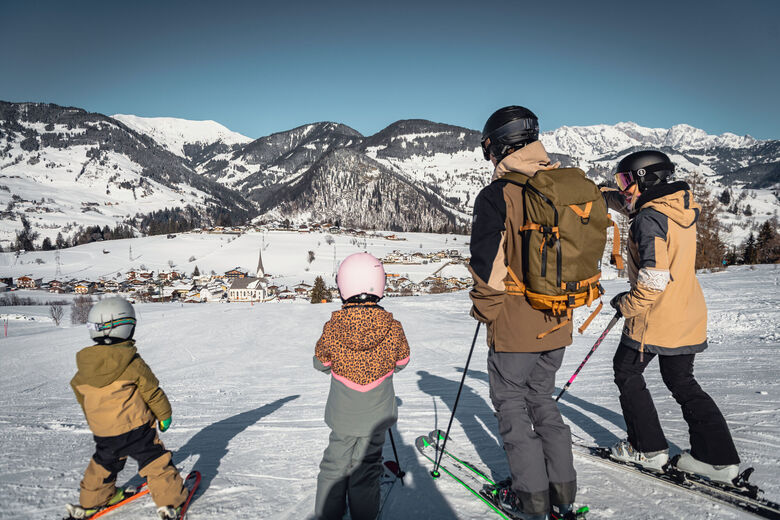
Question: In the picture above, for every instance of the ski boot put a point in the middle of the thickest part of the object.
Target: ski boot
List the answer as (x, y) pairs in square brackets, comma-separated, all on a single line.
[(623, 451), (169, 513), (567, 512), (504, 498), (77, 512), (725, 474)]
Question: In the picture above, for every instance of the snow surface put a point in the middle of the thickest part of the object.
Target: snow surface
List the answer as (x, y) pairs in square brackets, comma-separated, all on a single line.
[(248, 407), (172, 133), (285, 255)]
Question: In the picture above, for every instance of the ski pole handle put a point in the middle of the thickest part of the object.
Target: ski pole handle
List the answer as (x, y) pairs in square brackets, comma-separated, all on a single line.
[(611, 324)]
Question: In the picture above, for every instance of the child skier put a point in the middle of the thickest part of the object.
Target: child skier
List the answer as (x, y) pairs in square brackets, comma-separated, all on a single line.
[(361, 346), (121, 399)]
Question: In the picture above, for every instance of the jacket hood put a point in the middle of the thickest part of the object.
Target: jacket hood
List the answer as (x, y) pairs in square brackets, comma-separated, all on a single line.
[(673, 200), (528, 160), (101, 365), (360, 326)]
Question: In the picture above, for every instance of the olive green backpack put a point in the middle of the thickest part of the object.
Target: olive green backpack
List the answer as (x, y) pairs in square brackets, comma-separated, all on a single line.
[(563, 239)]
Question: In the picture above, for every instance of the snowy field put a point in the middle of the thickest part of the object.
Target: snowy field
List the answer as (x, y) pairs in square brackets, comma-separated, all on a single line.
[(285, 255), (248, 406)]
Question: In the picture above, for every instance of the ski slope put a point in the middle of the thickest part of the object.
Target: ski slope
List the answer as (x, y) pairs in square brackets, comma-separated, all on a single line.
[(248, 406)]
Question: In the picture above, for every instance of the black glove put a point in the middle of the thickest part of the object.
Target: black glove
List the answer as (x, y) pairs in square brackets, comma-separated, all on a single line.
[(615, 301)]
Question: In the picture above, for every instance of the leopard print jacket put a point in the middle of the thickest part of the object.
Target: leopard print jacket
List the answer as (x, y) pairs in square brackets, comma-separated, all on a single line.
[(362, 345)]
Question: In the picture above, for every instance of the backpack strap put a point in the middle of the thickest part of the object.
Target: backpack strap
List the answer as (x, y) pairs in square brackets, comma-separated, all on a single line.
[(616, 259)]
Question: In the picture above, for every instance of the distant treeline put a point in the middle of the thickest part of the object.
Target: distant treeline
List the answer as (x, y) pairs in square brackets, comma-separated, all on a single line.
[(160, 222)]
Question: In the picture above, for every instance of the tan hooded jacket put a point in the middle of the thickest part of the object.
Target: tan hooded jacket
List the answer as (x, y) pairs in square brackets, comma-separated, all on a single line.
[(665, 311), (513, 325), (117, 390)]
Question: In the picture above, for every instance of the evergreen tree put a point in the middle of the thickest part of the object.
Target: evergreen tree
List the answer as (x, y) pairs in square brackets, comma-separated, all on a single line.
[(319, 292), (710, 248), (46, 246), (725, 198), (60, 242), (196, 272), (749, 254), (768, 243), (25, 239)]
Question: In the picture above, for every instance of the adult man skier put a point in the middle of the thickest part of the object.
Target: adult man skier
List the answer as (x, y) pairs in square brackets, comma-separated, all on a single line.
[(665, 315), (521, 367)]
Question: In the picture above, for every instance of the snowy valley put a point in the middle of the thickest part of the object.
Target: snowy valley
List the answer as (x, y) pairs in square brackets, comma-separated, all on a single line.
[(248, 407)]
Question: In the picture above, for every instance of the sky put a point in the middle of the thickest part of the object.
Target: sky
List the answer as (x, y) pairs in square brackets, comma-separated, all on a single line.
[(263, 67)]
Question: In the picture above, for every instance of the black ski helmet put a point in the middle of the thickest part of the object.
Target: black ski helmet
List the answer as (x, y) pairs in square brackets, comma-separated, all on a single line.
[(647, 168), (508, 128)]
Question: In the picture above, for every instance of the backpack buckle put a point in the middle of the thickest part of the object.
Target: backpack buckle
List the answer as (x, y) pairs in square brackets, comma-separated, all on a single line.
[(572, 286), (585, 220), (570, 302)]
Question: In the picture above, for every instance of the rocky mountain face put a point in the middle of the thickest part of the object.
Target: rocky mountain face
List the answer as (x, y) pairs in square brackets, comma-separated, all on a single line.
[(61, 166)]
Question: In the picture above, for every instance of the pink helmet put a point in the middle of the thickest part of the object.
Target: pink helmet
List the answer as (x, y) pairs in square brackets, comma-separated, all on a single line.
[(361, 273)]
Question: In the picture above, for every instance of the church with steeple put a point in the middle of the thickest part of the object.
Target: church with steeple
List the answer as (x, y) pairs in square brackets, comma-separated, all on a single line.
[(250, 288)]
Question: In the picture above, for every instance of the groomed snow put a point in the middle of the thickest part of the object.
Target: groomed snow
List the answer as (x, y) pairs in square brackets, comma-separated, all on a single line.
[(248, 406)]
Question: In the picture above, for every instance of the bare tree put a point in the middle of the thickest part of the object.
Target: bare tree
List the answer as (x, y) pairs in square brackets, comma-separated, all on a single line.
[(56, 312), (79, 310)]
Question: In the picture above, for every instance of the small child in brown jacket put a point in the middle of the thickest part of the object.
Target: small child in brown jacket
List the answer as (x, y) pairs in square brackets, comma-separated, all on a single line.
[(362, 346), (121, 399)]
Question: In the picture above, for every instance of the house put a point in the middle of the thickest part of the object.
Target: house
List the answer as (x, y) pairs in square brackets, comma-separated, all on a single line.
[(111, 286), (131, 275), (82, 288), (302, 289), (26, 282), (234, 274)]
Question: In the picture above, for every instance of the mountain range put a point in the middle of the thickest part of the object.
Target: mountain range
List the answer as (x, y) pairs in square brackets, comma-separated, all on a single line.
[(62, 167)]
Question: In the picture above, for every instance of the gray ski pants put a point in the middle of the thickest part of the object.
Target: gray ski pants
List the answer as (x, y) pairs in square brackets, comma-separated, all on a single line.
[(536, 440), (351, 467)]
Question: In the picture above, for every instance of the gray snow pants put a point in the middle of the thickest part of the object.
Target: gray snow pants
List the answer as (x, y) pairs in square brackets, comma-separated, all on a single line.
[(351, 467), (536, 440)]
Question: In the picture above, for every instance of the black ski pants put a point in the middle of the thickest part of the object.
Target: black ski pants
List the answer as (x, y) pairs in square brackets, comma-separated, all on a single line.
[(709, 434)]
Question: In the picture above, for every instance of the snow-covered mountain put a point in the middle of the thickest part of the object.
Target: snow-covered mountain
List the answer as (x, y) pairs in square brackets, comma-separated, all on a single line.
[(64, 167), (61, 166), (181, 136)]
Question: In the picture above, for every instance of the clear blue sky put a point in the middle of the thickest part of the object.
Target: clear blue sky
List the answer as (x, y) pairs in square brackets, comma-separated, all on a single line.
[(261, 67)]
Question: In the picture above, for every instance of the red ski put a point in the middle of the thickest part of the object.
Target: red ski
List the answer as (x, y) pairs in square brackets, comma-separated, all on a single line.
[(192, 481), (140, 491)]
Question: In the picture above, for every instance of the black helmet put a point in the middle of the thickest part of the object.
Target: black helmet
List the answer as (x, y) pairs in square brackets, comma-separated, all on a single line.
[(646, 168), (508, 128)]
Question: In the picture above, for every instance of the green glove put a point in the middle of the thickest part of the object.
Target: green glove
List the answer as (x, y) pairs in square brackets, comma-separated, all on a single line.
[(164, 425)]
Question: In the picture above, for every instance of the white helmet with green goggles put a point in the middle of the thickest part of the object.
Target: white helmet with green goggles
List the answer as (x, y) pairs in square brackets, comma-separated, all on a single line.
[(645, 169), (111, 320)]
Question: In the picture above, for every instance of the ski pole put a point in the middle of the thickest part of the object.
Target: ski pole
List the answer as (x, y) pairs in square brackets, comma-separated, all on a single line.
[(611, 324), (400, 473), (435, 473)]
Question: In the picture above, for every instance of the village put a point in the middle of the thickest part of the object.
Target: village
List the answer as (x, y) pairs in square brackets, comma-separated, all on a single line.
[(241, 284)]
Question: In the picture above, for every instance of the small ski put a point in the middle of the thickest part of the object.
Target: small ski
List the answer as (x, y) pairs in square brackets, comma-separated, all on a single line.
[(192, 481), (745, 497), (139, 492)]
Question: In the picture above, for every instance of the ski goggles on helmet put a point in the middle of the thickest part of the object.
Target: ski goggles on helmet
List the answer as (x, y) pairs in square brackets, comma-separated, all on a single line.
[(624, 180), (110, 324)]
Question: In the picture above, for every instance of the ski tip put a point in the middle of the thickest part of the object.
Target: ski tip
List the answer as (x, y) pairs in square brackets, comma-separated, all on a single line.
[(437, 435)]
